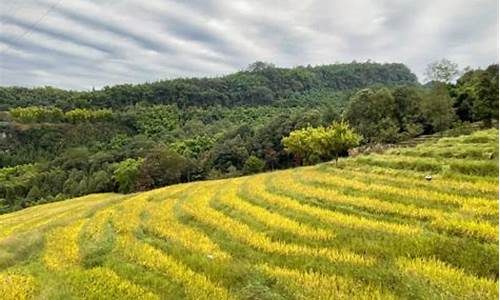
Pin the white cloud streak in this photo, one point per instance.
(82, 44)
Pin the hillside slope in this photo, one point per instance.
(371, 227)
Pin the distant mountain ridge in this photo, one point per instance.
(260, 84)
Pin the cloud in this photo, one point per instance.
(81, 44)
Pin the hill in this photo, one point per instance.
(260, 84)
(57, 144)
(371, 227)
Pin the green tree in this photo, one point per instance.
(34, 114)
(437, 107)
(259, 66)
(229, 152)
(408, 110)
(334, 140)
(485, 105)
(253, 165)
(161, 166)
(72, 185)
(155, 120)
(373, 112)
(309, 144)
(85, 115)
(299, 144)
(476, 95)
(34, 193)
(99, 182)
(126, 174)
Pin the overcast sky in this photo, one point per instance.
(80, 44)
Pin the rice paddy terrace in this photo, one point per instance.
(370, 228)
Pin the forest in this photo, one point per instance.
(57, 144)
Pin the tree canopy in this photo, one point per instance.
(262, 83)
(443, 70)
(312, 144)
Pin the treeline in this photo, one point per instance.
(39, 114)
(388, 115)
(82, 158)
(260, 84)
(53, 152)
(385, 115)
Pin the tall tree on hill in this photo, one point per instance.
(408, 110)
(373, 114)
(476, 95)
(437, 108)
(161, 167)
(443, 70)
(485, 106)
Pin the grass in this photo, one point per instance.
(370, 228)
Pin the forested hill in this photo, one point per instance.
(259, 84)
(57, 144)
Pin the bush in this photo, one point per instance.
(34, 114)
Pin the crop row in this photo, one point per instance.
(163, 223)
(471, 185)
(195, 285)
(327, 216)
(441, 220)
(317, 286)
(273, 220)
(433, 165)
(17, 286)
(418, 196)
(200, 209)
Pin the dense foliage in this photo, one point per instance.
(261, 84)
(391, 115)
(56, 144)
(476, 95)
(314, 144)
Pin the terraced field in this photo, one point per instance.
(370, 228)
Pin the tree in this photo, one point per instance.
(126, 174)
(437, 107)
(485, 105)
(99, 182)
(161, 167)
(155, 120)
(337, 139)
(253, 165)
(266, 142)
(373, 112)
(72, 186)
(476, 95)
(229, 152)
(34, 193)
(443, 70)
(299, 144)
(259, 66)
(408, 109)
(330, 114)
(322, 142)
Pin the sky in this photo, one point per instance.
(85, 44)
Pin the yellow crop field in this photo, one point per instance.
(371, 227)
